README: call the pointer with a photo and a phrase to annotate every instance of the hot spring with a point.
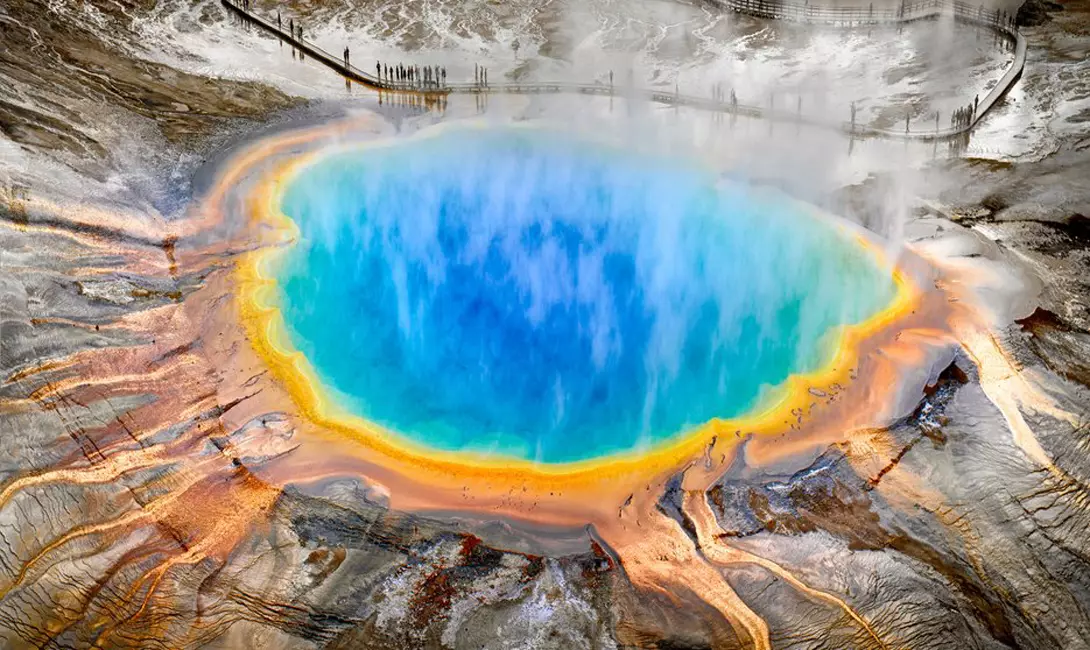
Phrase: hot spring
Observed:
(526, 294)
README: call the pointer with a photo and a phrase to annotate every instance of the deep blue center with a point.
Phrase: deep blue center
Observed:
(524, 293)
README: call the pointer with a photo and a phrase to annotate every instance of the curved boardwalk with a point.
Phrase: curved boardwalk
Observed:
(1001, 23)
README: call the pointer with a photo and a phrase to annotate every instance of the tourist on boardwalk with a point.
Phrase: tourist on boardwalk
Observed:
(378, 70)
(346, 56)
(279, 27)
(291, 27)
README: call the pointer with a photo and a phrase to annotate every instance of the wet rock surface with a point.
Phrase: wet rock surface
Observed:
(936, 532)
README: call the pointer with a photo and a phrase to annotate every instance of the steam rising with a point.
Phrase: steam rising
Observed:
(536, 295)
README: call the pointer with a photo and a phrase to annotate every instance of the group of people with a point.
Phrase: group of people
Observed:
(720, 96)
(963, 117)
(429, 76)
(297, 32)
(480, 75)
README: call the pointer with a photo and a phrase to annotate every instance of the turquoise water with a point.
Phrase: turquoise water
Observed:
(523, 293)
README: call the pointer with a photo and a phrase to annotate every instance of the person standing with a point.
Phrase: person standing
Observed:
(346, 56)
(279, 27)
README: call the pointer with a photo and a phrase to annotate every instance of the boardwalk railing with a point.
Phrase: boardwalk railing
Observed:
(1003, 24)
(868, 15)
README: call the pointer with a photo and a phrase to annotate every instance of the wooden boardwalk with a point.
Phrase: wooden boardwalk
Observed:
(842, 16)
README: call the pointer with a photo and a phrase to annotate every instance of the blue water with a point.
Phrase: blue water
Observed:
(523, 293)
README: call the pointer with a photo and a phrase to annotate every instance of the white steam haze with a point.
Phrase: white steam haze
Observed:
(890, 73)
(925, 67)
(624, 205)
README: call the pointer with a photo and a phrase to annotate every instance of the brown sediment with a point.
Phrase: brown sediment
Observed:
(521, 489)
(218, 475)
(696, 507)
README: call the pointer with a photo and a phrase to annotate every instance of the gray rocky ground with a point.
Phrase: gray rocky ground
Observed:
(941, 532)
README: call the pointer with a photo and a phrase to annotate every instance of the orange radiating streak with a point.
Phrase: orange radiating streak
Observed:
(127, 519)
(108, 470)
(1008, 389)
(695, 505)
(660, 557)
(232, 508)
(111, 468)
(147, 513)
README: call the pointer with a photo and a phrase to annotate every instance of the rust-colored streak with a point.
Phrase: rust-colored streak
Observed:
(216, 434)
(696, 506)
(658, 556)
